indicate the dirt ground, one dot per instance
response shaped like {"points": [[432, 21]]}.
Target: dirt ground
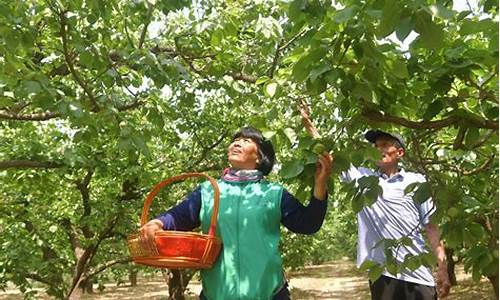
{"points": [[335, 280]]}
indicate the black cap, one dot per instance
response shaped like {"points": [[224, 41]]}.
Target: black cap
{"points": [[372, 135]]}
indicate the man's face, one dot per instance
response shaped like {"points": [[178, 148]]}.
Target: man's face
{"points": [[390, 153]]}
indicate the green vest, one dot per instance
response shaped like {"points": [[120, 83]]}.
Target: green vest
{"points": [[249, 265]]}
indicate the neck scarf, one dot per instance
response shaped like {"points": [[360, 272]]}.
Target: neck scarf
{"points": [[235, 175]]}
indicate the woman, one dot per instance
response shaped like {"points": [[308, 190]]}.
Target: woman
{"points": [[250, 212]]}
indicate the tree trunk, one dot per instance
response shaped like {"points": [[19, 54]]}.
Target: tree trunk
{"points": [[132, 277], [177, 282], [451, 266], [175, 285], [494, 282], [87, 286]]}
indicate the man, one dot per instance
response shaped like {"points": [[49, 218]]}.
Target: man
{"points": [[393, 216]]}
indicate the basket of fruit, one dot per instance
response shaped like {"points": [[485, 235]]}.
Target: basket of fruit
{"points": [[177, 249]]}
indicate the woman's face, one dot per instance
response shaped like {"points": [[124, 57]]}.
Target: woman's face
{"points": [[242, 153]]}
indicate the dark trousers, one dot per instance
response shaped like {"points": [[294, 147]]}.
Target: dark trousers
{"points": [[387, 288]]}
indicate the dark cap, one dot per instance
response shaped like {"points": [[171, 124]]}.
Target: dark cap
{"points": [[372, 135]]}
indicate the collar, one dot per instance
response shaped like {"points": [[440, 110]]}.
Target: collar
{"points": [[235, 175], [400, 174]]}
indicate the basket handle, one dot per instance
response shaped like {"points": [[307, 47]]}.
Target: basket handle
{"points": [[159, 186]]}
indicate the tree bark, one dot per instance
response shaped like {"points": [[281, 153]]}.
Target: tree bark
{"points": [[177, 283], [132, 277], [87, 286], [494, 282], [451, 266]]}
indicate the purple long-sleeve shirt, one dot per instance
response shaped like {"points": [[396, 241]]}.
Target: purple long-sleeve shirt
{"points": [[294, 216]]}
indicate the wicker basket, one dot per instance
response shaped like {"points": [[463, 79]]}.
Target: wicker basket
{"points": [[177, 249]]}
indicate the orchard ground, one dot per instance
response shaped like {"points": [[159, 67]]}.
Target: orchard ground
{"points": [[334, 280]]}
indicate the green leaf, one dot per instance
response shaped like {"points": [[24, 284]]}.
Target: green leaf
{"points": [[87, 59], [471, 137], [412, 262], [455, 236], [341, 162], [301, 69], [268, 134], [367, 264], [345, 14], [371, 195], [462, 15], [411, 187], [363, 91], [262, 79], [477, 230], [428, 259], [406, 241], [6, 102], [372, 153], [476, 274], [433, 109], [318, 71], [390, 18], [316, 87], [270, 89], [392, 268], [423, 192], [431, 34], [398, 68], [304, 65], [471, 26], [292, 169], [290, 134], [442, 11], [357, 203], [375, 272], [32, 86], [296, 8], [367, 182]]}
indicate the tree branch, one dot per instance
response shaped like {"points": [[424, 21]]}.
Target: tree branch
{"points": [[106, 265], [39, 278], [83, 187], [458, 143], [207, 149], [483, 94], [69, 61], [243, 77], [18, 164], [482, 167], [293, 39], [29, 117], [270, 71], [145, 29], [377, 116], [483, 141], [492, 75]]}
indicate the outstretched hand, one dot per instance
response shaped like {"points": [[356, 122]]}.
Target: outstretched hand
{"points": [[323, 172], [306, 120]]}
